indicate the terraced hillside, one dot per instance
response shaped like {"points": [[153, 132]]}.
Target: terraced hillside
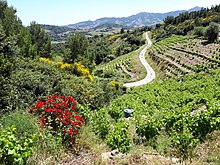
{"points": [[181, 55], [126, 68]]}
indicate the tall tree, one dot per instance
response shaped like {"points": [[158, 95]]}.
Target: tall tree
{"points": [[40, 39], [10, 22], [78, 46]]}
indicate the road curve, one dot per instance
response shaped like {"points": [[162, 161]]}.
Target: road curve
{"points": [[150, 72]]}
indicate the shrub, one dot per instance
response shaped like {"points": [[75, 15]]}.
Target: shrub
{"points": [[148, 128], [58, 113], [198, 31], [184, 143], [119, 137], [14, 150], [211, 32], [101, 123], [23, 122]]}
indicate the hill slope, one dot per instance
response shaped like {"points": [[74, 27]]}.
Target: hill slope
{"points": [[138, 20]]}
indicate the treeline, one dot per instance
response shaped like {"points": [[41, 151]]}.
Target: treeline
{"points": [[187, 23], [203, 13]]}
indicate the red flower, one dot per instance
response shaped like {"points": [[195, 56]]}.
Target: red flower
{"points": [[79, 119], [43, 121], [58, 110], [55, 96], [70, 131], [48, 110], [59, 113], [39, 104], [74, 123]]}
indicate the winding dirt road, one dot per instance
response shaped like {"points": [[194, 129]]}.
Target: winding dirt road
{"points": [[150, 72]]}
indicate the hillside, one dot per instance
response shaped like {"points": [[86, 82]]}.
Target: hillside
{"points": [[138, 20], [109, 26], [67, 104]]}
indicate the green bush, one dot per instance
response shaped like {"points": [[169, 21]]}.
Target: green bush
{"points": [[198, 31], [211, 32], [14, 150], [148, 128], [119, 137], [24, 123], [184, 143], [101, 123]]}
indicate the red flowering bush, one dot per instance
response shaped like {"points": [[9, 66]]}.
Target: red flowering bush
{"points": [[58, 113]]}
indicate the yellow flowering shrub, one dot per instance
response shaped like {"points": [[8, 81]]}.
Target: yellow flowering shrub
{"points": [[80, 68], [65, 65], [60, 64], [114, 84], [115, 36]]}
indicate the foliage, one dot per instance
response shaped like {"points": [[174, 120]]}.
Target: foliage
{"points": [[58, 114], [198, 31], [40, 40], [23, 122], [60, 64], [185, 22], [205, 122], [45, 144], [148, 128], [211, 32], [106, 48], [188, 106], [113, 37], [78, 46], [10, 22], [101, 123], [119, 137], [14, 150], [184, 143], [81, 70]]}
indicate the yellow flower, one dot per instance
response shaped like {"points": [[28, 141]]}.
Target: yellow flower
{"points": [[65, 65], [114, 37]]}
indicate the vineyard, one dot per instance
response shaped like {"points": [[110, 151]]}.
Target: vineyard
{"points": [[172, 116], [181, 55], [125, 66]]}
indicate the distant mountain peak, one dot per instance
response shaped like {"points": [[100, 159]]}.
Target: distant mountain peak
{"points": [[138, 20]]}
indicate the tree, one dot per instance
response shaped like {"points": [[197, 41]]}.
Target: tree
{"points": [[198, 31], [211, 32], [122, 31], [10, 22], [40, 39], [78, 45]]}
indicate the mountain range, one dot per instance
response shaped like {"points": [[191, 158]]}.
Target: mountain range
{"points": [[138, 20]]}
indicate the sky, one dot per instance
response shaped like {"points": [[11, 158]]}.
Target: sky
{"points": [[64, 12]]}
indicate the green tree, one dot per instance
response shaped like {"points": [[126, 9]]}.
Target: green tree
{"points": [[25, 44], [10, 22], [122, 31], [40, 39], [211, 32], [199, 30], [78, 45]]}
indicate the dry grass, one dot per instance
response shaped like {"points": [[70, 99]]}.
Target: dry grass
{"points": [[209, 151]]}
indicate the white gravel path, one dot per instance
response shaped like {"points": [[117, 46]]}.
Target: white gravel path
{"points": [[150, 72]]}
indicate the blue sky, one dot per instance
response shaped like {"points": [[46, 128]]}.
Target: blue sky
{"points": [[64, 12]]}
